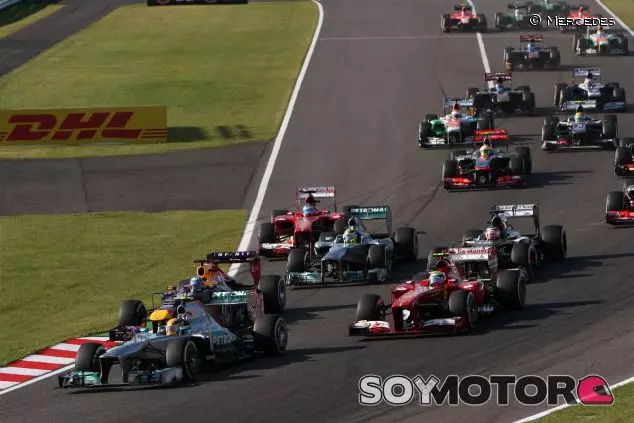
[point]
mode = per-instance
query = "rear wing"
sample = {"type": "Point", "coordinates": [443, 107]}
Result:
{"type": "Point", "coordinates": [375, 213]}
{"type": "Point", "coordinates": [493, 76]}
{"type": "Point", "coordinates": [582, 72]}
{"type": "Point", "coordinates": [459, 7]}
{"type": "Point", "coordinates": [518, 5]}
{"type": "Point", "coordinates": [493, 134]}
{"type": "Point", "coordinates": [533, 38]}
{"type": "Point", "coordinates": [231, 297]}
{"type": "Point", "coordinates": [317, 192]}
{"type": "Point", "coordinates": [230, 257]}
{"type": "Point", "coordinates": [462, 255]}
{"type": "Point", "coordinates": [462, 102]}
{"type": "Point", "coordinates": [516, 210]}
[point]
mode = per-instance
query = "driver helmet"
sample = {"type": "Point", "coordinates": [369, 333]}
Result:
{"type": "Point", "coordinates": [196, 284]}
{"type": "Point", "coordinates": [496, 222]}
{"type": "Point", "coordinates": [579, 114]}
{"type": "Point", "coordinates": [350, 236]}
{"type": "Point", "coordinates": [500, 85]}
{"type": "Point", "coordinates": [437, 279]}
{"type": "Point", "coordinates": [309, 210]}
{"type": "Point", "coordinates": [485, 151]}
{"type": "Point", "coordinates": [173, 326]}
{"type": "Point", "coordinates": [455, 112]}
{"type": "Point", "coordinates": [589, 79]}
{"type": "Point", "coordinates": [630, 191]}
{"type": "Point", "coordinates": [492, 234]}
{"type": "Point", "coordinates": [442, 266]}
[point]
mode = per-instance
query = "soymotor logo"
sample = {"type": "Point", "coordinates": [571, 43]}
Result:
{"type": "Point", "coordinates": [74, 126]}
{"type": "Point", "coordinates": [398, 390]}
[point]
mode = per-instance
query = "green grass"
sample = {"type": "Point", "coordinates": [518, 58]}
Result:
{"type": "Point", "coordinates": [65, 276]}
{"type": "Point", "coordinates": [624, 9]}
{"type": "Point", "coordinates": [23, 14]}
{"type": "Point", "coordinates": [225, 73]}
{"type": "Point", "coordinates": [621, 412]}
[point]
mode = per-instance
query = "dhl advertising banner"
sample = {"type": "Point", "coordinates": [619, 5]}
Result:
{"type": "Point", "coordinates": [84, 126]}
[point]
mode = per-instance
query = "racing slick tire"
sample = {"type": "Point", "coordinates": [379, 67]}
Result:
{"type": "Point", "coordinates": [296, 261]}
{"type": "Point", "coordinates": [518, 166]}
{"type": "Point", "coordinates": [280, 212]}
{"type": "Point", "coordinates": [486, 121]}
{"type": "Point", "coordinates": [560, 88]}
{"type": "Point", "coordinates": [511, 289]}
{"type": "Point", "coordinates": [406, 244]}
{"type": "Point", "coordinates": [523, 255]}
{"type": "Point", "coordinates": [622, 157]}
{"type": "Point", "coordinates": [463, 304]}
{"type": "Point", "coordinates": [370, 307]}
{"type": "Point", "coordinates": [132, 313]}
{"type": "Point", "coordinates": [378, 259]}
{"type": "Point", "coordinates": [273, 294]}
{"type": "Point", "coordinates": [431, 258]}
{"type": "Point", "coordinates": [445, 23]}
{"type": "Point", "coordinates": [266, 233]}
{"type": "Point", "coordinates": [470, 235]}
{"type": "Point", "coordinates": [482, 22]}
{"type": "Point", "coordinates": [339, 227]}
{"type": "Point", "coordinates": [555, 58]}
{"type": "Point", "coordinates": [610, 130]}
{"type": "Point", "coordinates": [183, 353]}
{"type": "Point", "coordinates": [555, 238]}
{"type": "Point", "coordinates": [525, 153]}
{"type": "Point", "coordinates": [619, 94]}
{"type": "Point", "coordinates": [614, 201]}
{"type": "Point", "coordinates": [424, 133]}
{"type": "Point", "coordinates": [549, 133]}
{"type": "Point", "coordinates": [449, 170]}
{"type": "Point", "coordinates": [270, 334]}
{"type": "Point", "coordinates": [87, 358]}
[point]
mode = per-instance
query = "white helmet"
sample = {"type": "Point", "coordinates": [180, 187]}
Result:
{"type": "Point", "coordinates": [492, 233]}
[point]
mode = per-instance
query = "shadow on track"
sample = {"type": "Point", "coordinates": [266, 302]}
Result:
{"type": "Point", "coordinates": [576, 264]}
{"type": "Point", "coordinates": [563, 177]}
{"type": "Point", "coordinates": [231, 372]}
{"type": "Point", "coordinates": [294, 315]}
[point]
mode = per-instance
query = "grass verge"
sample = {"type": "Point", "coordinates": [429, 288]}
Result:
{"type": "Point", "coordinates": [624, 9]}
{"type": "Point", "coordinates": [64, 276]}
{"type": "Point", "coordinates": [23, 14]}
{"type": "Point", "coordinates": [225, 73]}
{"type": "Point", "coordinates": [621, 412]}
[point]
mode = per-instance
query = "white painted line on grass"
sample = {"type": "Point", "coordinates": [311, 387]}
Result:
{"type": "Point", "coordinates": [563, 406]}
{"type": "Point", "coordinates": [616, 18]}
{"type": "Point", "coordinates": [257, 205]}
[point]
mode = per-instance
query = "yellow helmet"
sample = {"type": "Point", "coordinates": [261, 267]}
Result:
{"type": "Point", "coordinates": [172, 326]}
{"type": "Point", "coordinates": [485, 150]}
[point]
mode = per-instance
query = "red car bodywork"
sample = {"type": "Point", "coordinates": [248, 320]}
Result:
{"type": "Point", "coordinates": [464, 17]}
{"type": "Point", "coordinates": [294, 229]}
{"type": "Point", "coordinates": [413, 295]}
{"type": "Point", "coordinates": [623, 215]}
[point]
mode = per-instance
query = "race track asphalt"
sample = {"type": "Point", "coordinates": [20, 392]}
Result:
{"type": "Point", "coordinates": [378, 68]}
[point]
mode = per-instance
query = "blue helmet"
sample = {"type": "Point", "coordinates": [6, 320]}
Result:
{"type": "Point", "coordinates": [309, 209]}
{"type": "Point", "coordinates": [196, 284]}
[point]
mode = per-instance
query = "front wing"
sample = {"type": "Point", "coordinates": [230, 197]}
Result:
{"type": "Point", "coordinates": [314, 278]}
{"type": "Point", "coordinates": [437, 142]}
{"type": "Point", "coordinates": [563, 144]}
{"type": "Point", "coordinates": [592, 105]}
{"type": "Point", "coordinates": [276, 250]}
{"type": "Point", "coordinates": [501, 181]}
{"type": "Point", "coordinates": [369, 328]}
{"type": "Point", "coordinates": [78, 379]}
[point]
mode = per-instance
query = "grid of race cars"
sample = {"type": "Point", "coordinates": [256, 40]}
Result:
{"type": "Point", "coordinates": [211, 318]}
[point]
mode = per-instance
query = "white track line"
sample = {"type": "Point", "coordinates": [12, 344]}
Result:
{"type": "Point", "coordinates": [21, 371]}
{"type": "Point", "coordinates": [6, 385]}
{"type": "Point", "coordinates": [96, 338]}
{"type": "Point", "coordinates": [561, 407]}
{"type": "Point", "coordinates": [483, 53]}
{"type": "Point", "coordinates": [48, 359]}
{"type": "Point", "coordinates": [257, 205]}
{"type": "Point", "coordinates": [66, 347]}
{"type": "Point", "coordinates": [431, 37]}
{"type": "Point", "coordinates": [37, 379]}
{"type": "Point", "coordinates": [616, 18]}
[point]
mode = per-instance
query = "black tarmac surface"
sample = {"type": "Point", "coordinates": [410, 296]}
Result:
{"type": "Point", "coordinates": [378, 68]}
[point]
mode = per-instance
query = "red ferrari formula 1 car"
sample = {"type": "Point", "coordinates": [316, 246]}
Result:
{"type": "Point", "coordinates": [288, 230]}
{"type": "Point", "coordinates": [463, 19]}
{"type": "Point", "coordinates": [619, 206]}
{"type": "Point", "coordinates": [624, 158]}
{"type": "Point", "coordinates": [579, 19]}
{"type": "Point", "coordinates": [464, 285]}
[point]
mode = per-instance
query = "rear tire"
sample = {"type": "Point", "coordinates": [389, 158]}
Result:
{"type": "Point", "coordinates": [406, 242]}
{"type": "Point", "coordinates": [511, 289]}
{"type": "Point", "coordinates": [525, 153]}
{"type": "Point", "coordinates": [273, 294]}
{"type": "Point", "coordinates": [449, 170]}
{"type": "Point", "coordinates": [554, 236]}
{"type": "Point", "coordinates": [132, 313]}
{"type": "Point", "coordinates": [270, 334]}
{"type": "Point", "coordinates": [615, 201]}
